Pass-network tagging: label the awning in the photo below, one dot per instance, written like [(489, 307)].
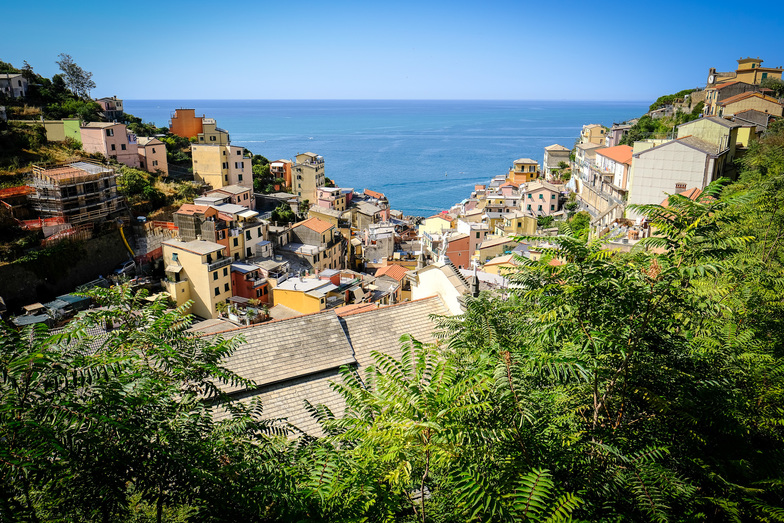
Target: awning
[(173, 268)]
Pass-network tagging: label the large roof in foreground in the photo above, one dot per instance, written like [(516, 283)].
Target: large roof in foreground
[(295, 359)]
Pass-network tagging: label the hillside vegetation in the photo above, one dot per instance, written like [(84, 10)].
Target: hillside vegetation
[(645, 386)]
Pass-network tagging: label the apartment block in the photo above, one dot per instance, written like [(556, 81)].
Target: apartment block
[(111, 107), (307, 176), (221, 165), (199, 271), (80, 192), (523, 170), (185, 123)]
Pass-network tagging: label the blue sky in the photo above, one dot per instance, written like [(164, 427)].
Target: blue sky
[(507, 50)]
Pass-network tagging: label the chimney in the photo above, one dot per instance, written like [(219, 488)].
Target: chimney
[(475, 285)]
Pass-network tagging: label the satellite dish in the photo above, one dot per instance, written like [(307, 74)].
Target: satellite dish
[(711, 79)]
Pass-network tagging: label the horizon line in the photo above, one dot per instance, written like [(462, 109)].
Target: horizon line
[(393, 100)]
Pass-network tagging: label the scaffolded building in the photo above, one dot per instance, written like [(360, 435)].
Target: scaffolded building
[(79, 192)]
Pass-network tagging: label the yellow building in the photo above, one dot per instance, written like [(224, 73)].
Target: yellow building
[(523, 171), (198, 271), (212, 134), (516, 223), (304, 295), (500, 265), (745, 101), (221, 165), (593, 133), (436, 224), (750, 70), (493, 247), (307, 175)]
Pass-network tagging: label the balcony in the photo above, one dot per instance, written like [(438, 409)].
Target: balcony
[(219, 264)]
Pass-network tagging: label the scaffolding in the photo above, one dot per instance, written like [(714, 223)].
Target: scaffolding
[(79, 192)]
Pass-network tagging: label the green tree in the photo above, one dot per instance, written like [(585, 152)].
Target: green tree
[(77, 79)]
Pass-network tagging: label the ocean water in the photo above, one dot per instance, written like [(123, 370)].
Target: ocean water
[(424, 155)]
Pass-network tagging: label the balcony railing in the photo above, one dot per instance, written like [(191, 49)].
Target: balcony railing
[(218, 264)]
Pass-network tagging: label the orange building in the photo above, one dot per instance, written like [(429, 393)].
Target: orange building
[(185, 123)]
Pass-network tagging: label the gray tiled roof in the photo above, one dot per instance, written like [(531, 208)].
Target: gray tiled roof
[(380, 329), (282, 350), (294, 360)]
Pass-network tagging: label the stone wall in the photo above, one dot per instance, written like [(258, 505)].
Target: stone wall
[(72, 264)]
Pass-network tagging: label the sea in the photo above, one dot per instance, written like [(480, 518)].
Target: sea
[(425, 155)]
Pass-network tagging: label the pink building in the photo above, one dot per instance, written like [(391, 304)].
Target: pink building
[(540, 198), (152, 155), (112, 140), (236, 194), (331, 198)]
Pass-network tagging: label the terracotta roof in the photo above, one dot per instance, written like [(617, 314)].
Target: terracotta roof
[(691, 194), (374, 194), (499, 260), (619, 153), (743, 96), (442, 216), (314, 224), (191, 209), (397, 272), (726, 84)]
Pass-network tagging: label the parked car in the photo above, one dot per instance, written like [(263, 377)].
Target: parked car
[(125, 268)]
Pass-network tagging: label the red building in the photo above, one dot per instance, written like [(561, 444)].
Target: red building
[(247, 281)]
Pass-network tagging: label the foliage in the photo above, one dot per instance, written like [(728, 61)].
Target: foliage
[(775, 84), (139, 186), (283, 214), (668, 99), (113, 426), (545, 221), (77, 79)]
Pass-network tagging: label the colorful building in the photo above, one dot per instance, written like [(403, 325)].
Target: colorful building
[(152, 155), (112, 140), (221, 165), (523, 170), (307, 176), (750, 71), (199, 271), (185, 123)]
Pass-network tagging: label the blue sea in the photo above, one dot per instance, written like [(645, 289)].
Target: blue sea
[(424, 155)]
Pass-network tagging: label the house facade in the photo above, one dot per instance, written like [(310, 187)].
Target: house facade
[(199, 271), (185, 123), (112, 140), (523, 170), (221, 165), (307, 175), (152, 155)]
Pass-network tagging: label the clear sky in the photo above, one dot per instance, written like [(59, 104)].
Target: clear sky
[(491, 49)]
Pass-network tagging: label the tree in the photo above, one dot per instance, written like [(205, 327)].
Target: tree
[(77, 79)]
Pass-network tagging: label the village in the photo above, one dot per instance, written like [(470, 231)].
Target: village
[(349, 274)]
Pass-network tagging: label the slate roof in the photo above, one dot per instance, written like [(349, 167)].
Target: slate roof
[(713, 119), (295, 359), (281, 350)]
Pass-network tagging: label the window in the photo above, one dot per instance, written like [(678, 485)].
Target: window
[(477, 235), (212, 138), (113, 147), (239, 177), (153, 150), (225, 271), (529, 206), (248, 252), (215, 275), (155, 163), (236, 242), (122, 146), (247, 235), (530, 196), (540, 208), (541, 196), (109, 132), (552, 207), (552, 197), (225, 165), (226, 287), (245, 196), (239, 152), (764, 75), (258, 232), (217, 291)]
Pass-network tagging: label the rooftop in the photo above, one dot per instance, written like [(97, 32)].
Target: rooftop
[(394, 271), (314, 224), (619, 153), (196, 246)]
